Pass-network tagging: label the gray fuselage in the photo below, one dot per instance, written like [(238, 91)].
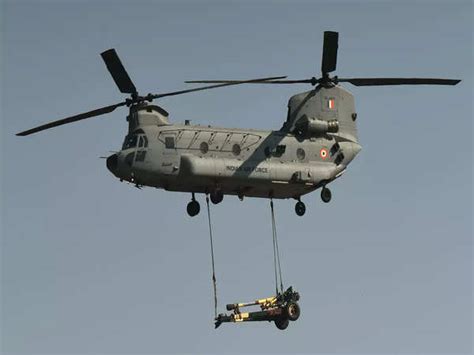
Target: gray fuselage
[(314, 147)]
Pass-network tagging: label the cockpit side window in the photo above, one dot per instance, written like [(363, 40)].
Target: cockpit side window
[(134, 140)]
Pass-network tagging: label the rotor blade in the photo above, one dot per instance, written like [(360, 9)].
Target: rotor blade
[(118, 72), (398, 81), (261, 80), (330, 45), (251, 82), (71, 119)]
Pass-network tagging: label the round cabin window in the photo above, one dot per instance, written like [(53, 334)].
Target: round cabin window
[(300, 154), (204, 147), (236, 149)]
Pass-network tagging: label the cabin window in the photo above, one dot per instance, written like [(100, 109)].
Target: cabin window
[(334, 148), (277, 151), (204, 147), (169, 142), (300, 154), (280, 150), (339, 159), (236, 149)]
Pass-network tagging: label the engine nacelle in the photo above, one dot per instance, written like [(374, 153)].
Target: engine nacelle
[(311, 126)]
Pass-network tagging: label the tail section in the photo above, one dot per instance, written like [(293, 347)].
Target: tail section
[(332, 105)]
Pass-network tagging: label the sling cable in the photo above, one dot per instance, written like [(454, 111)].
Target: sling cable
[(280, 309)]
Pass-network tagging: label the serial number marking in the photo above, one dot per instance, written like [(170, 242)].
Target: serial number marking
[(247, 169)]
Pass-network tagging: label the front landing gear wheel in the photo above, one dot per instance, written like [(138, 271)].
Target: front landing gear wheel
[(282, 323), (217, 197), (326, 195), (193, 208), (300, 208), (293, 311)]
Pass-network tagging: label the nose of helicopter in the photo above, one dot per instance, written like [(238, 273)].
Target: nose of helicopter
[(112, 163)]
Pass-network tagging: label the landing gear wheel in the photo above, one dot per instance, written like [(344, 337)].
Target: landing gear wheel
[(193, 208), (326, 195), (292, 311), (282, 323), (217, 197), (300, 208)]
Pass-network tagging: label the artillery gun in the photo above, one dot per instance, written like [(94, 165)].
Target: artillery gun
[(280, 309)]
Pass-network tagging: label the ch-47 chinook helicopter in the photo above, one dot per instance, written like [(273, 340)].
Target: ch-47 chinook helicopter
[(313, 147)]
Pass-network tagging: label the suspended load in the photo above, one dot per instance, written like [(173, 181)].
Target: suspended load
[(280, 309)]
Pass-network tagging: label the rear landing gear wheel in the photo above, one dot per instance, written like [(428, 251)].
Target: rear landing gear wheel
[(282, 323), (300, 208), (193, 208), (217, 197), (326, 195), (293, 311)]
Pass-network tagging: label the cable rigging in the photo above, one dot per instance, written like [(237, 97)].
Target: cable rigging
[(281, 308)]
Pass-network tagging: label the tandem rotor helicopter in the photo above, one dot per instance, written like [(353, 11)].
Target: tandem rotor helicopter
[(314, 146)]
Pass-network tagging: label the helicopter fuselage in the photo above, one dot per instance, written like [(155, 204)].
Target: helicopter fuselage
[(233, 161), (243, 162)]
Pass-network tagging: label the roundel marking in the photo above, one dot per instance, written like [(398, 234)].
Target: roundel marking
[(323, 153)]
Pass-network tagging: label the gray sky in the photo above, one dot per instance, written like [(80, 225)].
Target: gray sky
[(91, 265)]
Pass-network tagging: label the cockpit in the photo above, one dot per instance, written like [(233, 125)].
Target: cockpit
[(136, 139)]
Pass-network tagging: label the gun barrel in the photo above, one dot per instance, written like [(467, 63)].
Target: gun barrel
[(262, 301), (233, 306)]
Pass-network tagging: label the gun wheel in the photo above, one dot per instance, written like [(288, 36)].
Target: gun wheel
[(282, 323), (293, 311)]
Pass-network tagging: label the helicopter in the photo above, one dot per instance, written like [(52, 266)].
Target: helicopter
[(314, 146)]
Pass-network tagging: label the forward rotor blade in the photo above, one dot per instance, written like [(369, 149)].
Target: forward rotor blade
[(118, 72), (330, 45), (81, 116), (236, 82), (398, 81), (250, 82)]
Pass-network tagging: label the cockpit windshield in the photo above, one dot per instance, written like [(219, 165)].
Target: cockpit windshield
[(132, 140)]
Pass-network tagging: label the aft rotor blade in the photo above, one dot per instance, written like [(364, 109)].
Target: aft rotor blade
[(118, 72), (250, 82), (81, 116), (398, 81), (330, 45), (236, 82)]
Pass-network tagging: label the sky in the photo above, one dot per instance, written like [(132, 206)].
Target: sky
[(91, 265)]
